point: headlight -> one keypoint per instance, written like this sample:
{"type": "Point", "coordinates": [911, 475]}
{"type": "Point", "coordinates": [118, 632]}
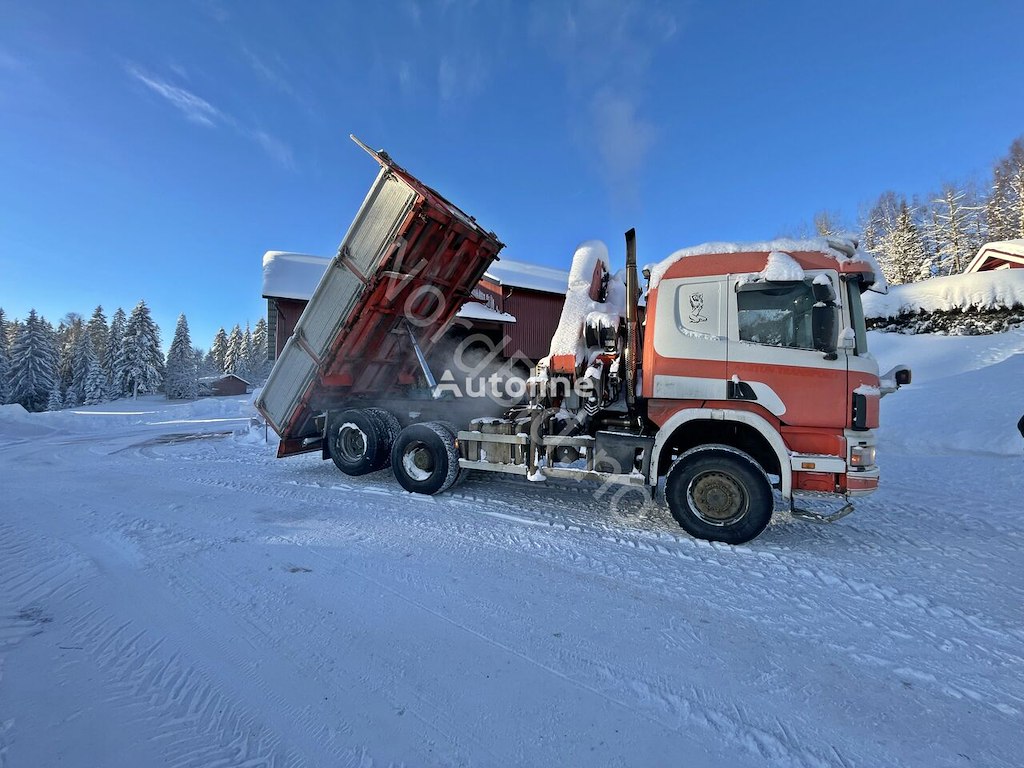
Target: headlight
{"type": "Point", "coordinates": [862, 456]}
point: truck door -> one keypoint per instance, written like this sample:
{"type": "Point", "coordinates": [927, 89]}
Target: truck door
{"type": "Point", "coordinates": [690, 331]}
{"type": "Point", "coordinates": [782, 349]}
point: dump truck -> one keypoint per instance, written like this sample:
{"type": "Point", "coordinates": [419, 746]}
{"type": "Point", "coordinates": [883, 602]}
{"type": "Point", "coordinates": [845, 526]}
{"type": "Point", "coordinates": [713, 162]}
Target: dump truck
{"type": "Point", "coordinates": [744, 379]}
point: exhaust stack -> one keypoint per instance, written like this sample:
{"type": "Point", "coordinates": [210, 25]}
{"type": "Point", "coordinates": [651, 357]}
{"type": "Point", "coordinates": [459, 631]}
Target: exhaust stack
{"type": "Point", "coordinates": [632, 299]}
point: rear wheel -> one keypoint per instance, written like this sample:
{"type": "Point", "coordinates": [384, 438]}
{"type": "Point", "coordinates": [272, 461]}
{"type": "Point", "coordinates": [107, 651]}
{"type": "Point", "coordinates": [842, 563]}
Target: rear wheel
{"type": "Point", "coordinates": [388, 430]}
{"type": "Point", "coordinates": [354, 442]}
{"type": "Point", "coordinates": [424, 458]}
{"type": "Point", "coordinates": [719, 494]}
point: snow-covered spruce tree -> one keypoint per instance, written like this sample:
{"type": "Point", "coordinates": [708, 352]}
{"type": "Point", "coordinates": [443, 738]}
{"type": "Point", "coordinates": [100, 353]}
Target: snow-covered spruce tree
{"type": "Point", "coordinates": [99, 332]}
{"type": "Point", "coordinates": [69, 330]}
{"type": "Point", "coordinates": [5, 360]}
{"type": "Point", "coordinates": [259, 366]}
{"type": "Point", "coordinates": [181, 382]}
{"type": "Point", "coordinates": [219, 352]}
{"type": "Point", "coordinates": [890, 233]}
{"type": "Point", "coordinates": [95, 388]}
{"type": "Point", "coordinates": [906, 253]}
{"type": "Point", "coordinates": [235, 355]}
{"type": "Point", "coordinates": [143, 361]}
{"type": "Point", "coordinates": [33, 364]}
{"type": "Point", "coordinates": [113, 365]}
{"type": "Point", "coordinates": [54, 402]}
{"type": "Point", "coordinates": [247, 354]}
{"type": "Point", "coordinates": [82, 359]}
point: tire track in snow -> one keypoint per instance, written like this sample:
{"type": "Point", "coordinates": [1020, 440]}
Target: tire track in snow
{"type": "Point", "coordinates": [994, 641]}
{"type": "Point", "coordinates": [748, 557]}
{"type": "Point", "coordinates": [194, 721]}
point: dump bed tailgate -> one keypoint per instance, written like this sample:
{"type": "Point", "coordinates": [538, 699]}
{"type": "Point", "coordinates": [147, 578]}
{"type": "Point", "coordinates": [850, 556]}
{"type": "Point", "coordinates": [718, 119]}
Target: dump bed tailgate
{"type": "Point", "coordinates": [407, 263]}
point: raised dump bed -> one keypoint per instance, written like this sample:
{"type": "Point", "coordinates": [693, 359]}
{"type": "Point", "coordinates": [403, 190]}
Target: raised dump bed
{"type": "Point", "coordinates": [408, 262]}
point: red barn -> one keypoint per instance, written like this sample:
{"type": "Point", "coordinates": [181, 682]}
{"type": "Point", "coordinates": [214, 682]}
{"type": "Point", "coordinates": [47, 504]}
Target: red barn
{"type": "Point", "coordinates": [516, 302]}
{"type": "Point", "coordinates": [1002, 254]}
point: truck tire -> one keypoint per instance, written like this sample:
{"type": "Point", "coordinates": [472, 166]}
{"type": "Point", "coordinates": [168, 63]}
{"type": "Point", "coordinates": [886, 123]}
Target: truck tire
{"type": "Point", "coordinates": [462, 474]}
{"type": "Point", "coordinates": [424, 458]}
{"type": "Point", "coordinates": [720, 494]}
{"type": "Point", "coordinates": [354, 441]}
{"type": "Point", "coordinates": [388, 431]}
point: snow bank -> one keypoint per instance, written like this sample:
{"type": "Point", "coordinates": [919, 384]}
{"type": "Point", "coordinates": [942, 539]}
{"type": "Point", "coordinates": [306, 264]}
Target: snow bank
{"type": "Point", "coordinates": [1001, 289]}
{"type": "Point", "coordinates": [210, 413]}
{"type": "Point", "coordinates": [965, 397]}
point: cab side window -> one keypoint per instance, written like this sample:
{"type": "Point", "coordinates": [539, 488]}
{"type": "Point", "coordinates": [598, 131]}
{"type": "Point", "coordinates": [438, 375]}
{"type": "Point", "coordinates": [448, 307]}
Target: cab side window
{"type": "Point", "coordinates": [776, 314]}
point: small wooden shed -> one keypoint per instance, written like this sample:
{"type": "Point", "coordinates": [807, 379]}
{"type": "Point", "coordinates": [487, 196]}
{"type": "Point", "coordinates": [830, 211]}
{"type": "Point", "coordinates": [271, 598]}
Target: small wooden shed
{"type": "Point", "coordinates": [227, 384]}
{"type": "Point", "coordinates": [1001, 254]}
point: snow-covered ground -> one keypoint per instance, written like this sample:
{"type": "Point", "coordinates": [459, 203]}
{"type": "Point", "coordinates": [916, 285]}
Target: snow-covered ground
{"type": "Point", "coordinates": [172, 594]}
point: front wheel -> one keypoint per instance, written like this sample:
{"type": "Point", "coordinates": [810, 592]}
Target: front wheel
{"type": "Point", "coordinates": [719, 494]}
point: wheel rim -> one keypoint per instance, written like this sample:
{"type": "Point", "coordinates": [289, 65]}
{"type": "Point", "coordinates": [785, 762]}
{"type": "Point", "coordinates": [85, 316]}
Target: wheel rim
{"type": "Point", "coordinates": [717, 499]}
{"type": "Point", "coordinates": [350, 444]}
{"type": "Point", "coordinates": [418, 461]}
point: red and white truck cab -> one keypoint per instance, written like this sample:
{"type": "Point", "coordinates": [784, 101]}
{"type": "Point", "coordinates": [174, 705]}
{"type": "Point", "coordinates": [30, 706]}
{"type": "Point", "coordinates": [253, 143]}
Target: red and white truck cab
{"type": "Point", "coordinates": [766, 344]}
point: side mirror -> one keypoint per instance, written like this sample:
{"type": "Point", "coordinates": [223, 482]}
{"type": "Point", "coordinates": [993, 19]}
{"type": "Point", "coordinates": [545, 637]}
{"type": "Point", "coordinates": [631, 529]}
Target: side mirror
{"type": "Point", "coordinates": [823, 323]}
{"type": "Point", "coordinates": [893, 379]}
{"type": "Point", "coordinates": [823, 291]}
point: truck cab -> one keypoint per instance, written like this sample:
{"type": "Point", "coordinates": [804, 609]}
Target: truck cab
{"type": "Point", "coordinates": [764, 349]}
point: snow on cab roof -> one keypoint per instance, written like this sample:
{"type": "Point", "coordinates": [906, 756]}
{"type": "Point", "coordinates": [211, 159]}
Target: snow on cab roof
{"type": "Point", "coordinates": [841, 249]}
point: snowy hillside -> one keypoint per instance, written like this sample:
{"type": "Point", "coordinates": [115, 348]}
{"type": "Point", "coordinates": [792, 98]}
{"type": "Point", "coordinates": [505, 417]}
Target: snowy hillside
{"type": "Point", "coordinates": [172, 594]}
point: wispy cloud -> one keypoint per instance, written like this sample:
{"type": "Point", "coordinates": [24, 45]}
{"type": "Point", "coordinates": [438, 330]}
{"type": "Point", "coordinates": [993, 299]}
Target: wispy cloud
{"type": "Point", "coordinates": [198, 110]}
{"type": "Point", "coordinates": [274, 147]}
{"type": "Point", "coordinates": [430, 66]}
{"type": "Point", "coordinates": [460, 77]}
{"type": "Point", "coordinates": [268, 73]}
{"type": "Point", "coordinates": [606, 48]}
{"type": "Point", "coordinates": [194, 108]}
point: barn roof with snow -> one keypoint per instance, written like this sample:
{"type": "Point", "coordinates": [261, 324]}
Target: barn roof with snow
{"type": "Point", "coordinates": [295, 275]}
{"type": "Point", "coordinates": [1001, 254]}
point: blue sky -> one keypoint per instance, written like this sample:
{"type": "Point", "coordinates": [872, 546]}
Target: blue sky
{"type": "Point", "coordinates": [156, 150]}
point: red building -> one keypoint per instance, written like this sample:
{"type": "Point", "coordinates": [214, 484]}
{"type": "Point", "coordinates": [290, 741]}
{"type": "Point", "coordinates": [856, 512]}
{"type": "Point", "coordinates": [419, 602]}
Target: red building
{"type": "Point", "coordinates": [518, 304]}
{"type": "Point", "coordinates": [1002, 254]}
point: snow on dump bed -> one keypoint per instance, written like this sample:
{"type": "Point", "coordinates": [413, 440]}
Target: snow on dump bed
{"type": "Point", "coordinates": [828, 247]}
{"type": "Point", "coordinates": [1000, 289]}
{"type": "Point", "coordinates": [578, 304]}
